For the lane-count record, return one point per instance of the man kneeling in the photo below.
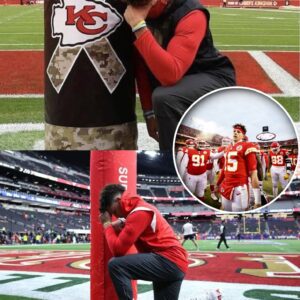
(160, 258)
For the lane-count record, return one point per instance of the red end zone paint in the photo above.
(290, 61)
(21, 72)
(250, 74)
(69, 262)
(255, 268)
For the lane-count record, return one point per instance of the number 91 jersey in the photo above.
(197, 162)
(237, 166)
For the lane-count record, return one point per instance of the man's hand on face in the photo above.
(105, 218)
(133, 15)
(118, 225)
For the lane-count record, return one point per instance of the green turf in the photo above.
(5, 297)
(233, 29)
(292, 105)
(14, 110)
(23, 140)
(275, 246)
(247, 246)
(252, 29)
(32, 109)
(21, 27)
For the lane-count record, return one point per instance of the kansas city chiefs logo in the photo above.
(79, 22)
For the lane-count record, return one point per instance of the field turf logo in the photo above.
(85, 25)
(80, 22)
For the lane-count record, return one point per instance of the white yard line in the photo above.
(18, 127)
(286, 82)
(21, 96)
(144, 141)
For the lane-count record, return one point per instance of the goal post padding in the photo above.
(107, 167)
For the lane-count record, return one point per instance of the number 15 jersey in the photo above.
(240, 160)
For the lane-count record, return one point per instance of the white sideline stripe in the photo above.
(18, 127)
(21, 96)
(144, 141)
(286, 82)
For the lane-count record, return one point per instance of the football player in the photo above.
(195, 163)
(240, 163)
(280, 167)
(211, 174)
(293, 158)
(226, 141)
(181, 152)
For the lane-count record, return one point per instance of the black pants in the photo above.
(170, 103)
(164, 274)
(222, 239)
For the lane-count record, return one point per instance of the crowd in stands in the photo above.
(18, 220)
(41, 237)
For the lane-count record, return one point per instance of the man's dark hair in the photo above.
(108, 194)
(137, 3)
(241, 126)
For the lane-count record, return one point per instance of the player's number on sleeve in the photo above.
(231, 163)
(277, 160)
(198, 160)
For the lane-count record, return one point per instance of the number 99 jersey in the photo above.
(238, 163)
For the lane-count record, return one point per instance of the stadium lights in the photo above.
(152, 154)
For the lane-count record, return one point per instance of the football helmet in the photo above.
(275, 147)
(190, 143)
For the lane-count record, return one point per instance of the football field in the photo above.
(262, 44)
(250, 269)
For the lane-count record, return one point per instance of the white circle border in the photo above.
(223, 212)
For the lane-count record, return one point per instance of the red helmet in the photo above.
(190, 143)
(275, 147)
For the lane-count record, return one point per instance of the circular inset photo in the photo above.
(236, 149)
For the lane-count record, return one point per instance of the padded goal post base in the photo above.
(107, 167)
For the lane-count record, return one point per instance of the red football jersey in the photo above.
(221, 160)
(278, 159)
(209, 164)
(237, 166)
(197, 163)
(294, 160)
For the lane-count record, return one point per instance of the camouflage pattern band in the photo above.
(114, 137)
